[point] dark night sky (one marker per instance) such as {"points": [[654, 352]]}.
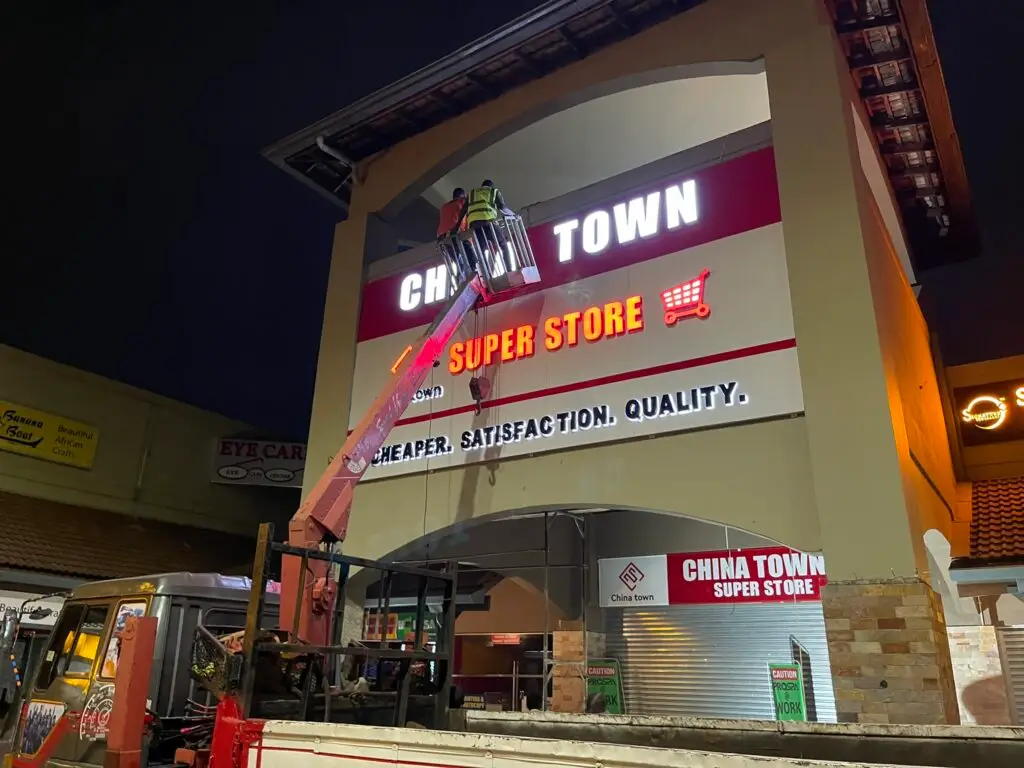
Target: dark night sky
{"points": [[148, 241]]}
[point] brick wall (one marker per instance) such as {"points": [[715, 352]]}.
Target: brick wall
{"points": [[978, 673], [889, 653]]}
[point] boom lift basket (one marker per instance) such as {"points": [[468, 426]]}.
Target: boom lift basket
{"points": [[500, 252]]}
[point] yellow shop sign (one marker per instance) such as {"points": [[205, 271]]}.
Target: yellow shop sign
{"points": [[45, 436]]}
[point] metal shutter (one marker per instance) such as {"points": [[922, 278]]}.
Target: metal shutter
{"points": [[711, 660], [1011, 649]]}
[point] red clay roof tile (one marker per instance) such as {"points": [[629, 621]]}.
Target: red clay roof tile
{"points": [[997, 519], [40, 535]]}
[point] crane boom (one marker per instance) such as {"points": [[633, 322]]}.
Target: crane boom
{"points": [[324, 514]]}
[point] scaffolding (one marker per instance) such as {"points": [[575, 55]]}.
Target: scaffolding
{"points": [[275, 674]]}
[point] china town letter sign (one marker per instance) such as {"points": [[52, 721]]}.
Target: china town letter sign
{"points": [[638, 218]]}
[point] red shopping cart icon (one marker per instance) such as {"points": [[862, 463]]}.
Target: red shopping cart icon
{"points": [[686, 300]]}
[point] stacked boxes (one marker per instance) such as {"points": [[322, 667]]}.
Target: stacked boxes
{"points": [[568, 684]]}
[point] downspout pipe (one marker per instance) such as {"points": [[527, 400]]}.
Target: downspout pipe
{"points": [[334, 153]]}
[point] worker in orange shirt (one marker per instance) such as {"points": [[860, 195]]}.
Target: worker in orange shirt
{"points": [[451, 214], [452, 221]]}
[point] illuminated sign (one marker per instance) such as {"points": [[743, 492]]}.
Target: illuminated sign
{"points": [[686, 300], [428, 393], [637, 219], [505, 639], [991, 413], [635, 409], [985, 412], [616, 318], [685, 401], [640, 217], [563, 423], [429, 287]]}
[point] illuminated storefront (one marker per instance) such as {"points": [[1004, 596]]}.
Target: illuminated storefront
{"points": [[679, 321], [725, 332], [986, 572]]}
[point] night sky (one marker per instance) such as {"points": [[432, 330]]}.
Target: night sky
{"points": [[146, 240]]}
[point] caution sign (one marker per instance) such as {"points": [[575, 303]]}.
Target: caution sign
{"points": [[603, 677], [787, 682]]}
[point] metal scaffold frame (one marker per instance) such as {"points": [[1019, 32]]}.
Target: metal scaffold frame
{"points": [[547, 518], [331, 656]]}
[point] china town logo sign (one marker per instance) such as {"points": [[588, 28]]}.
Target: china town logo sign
{"points": [[631, 576], [639, 218]]}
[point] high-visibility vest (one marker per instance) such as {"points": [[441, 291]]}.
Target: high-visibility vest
{"points": [[483, 205]]}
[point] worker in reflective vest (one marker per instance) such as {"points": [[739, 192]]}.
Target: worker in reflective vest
{"points": [[483, 208]]}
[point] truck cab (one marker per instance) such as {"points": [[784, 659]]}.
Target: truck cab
{"points": [[67, 703]]}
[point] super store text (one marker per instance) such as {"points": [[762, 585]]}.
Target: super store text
{"points": [[681, 403]]}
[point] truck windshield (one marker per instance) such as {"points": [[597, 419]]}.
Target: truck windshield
{"points": [[74, 643]]}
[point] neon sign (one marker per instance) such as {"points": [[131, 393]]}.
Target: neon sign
{"points": [[686, 300], [616, 318], [1019, 394], [640, 217], [985, 412]]}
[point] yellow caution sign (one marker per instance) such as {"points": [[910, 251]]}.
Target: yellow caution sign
{"points": [[46, 436]]}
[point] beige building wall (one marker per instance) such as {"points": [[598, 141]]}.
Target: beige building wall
{"points": [[844, 479], [153, 459]]}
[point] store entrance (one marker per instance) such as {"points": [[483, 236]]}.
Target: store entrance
{"points": [[501, 672]]}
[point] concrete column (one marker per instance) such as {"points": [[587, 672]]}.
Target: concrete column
{"points": [[336, 361], [890, 661], [856, 470]]}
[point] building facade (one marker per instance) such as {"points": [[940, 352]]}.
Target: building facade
{"points": [[102, 480], [725, 348]]}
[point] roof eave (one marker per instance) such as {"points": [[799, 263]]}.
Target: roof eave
{"points": [[497, 42], [917, 23]]}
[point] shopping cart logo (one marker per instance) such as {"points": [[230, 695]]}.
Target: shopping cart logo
{"points": [[631, 576], [686, 300]]}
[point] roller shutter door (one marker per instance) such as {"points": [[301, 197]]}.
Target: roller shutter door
{"points": [[712, 660], [1011, 648]]}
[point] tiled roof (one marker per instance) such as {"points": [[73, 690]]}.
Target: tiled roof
{"points": [[997, 519], [37, 535]]}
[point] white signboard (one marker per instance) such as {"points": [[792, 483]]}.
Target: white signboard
{"points": [[45, 610], [692, 339], [633, 582], [259, 462]]}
